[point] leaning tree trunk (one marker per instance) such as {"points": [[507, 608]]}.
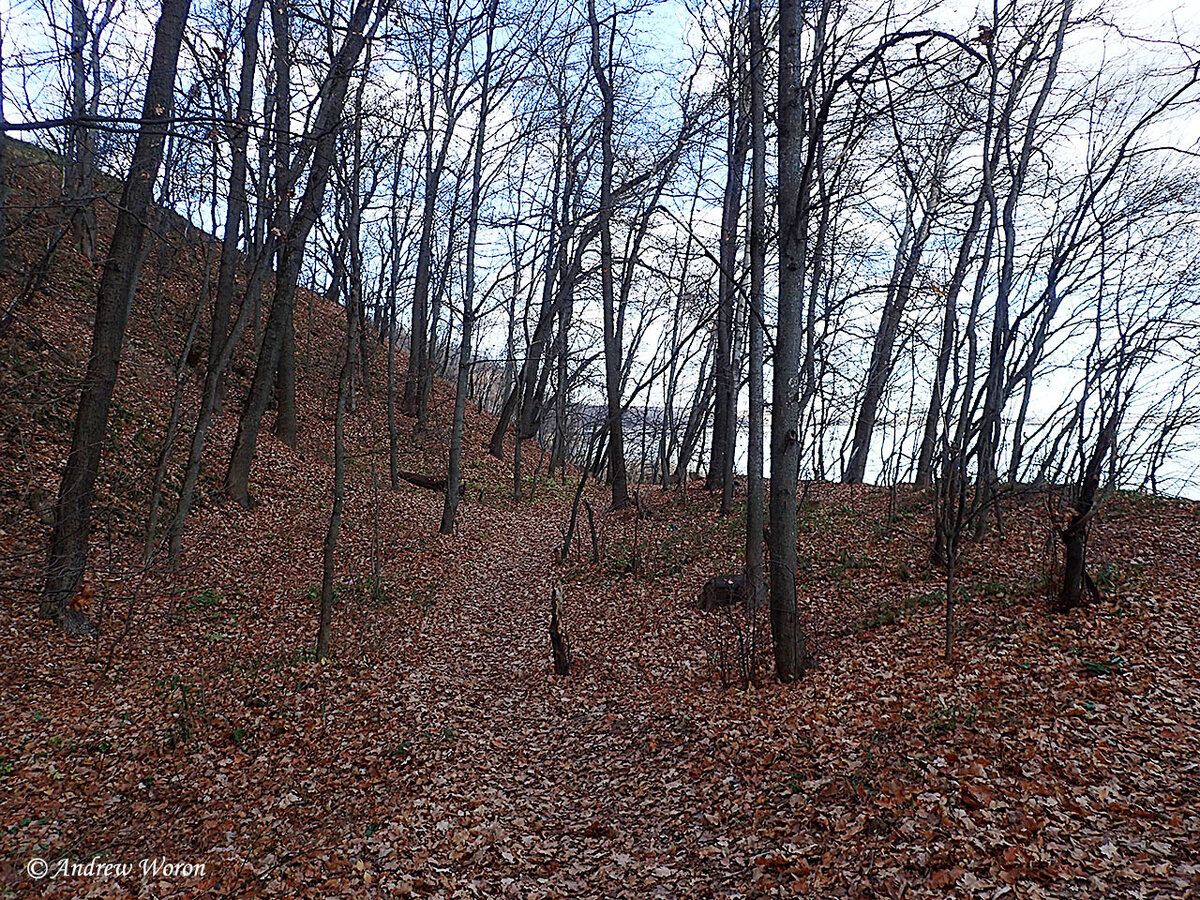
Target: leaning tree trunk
{"points": [[168, 443], [208, 407], [879, 369], [236, 207], [222, 342], [693, 429], [323, 138], [1075, 534], [419, 377], [929, 437], [996, 386], [73, 513], [345, 381]]}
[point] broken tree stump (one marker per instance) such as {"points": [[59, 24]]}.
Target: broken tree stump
{"points": [[559, 642], [723, 591]]}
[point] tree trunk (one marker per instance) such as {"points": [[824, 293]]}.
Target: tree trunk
{"points": [[791, 652], [720, 470], [329, 558], [996, 387], [73, 513], [393, 280], [693, 429], [236, 205], [612, 337], [80, 172], [1075, 534], [208, 407], [322, 143], [879, 369], [4, 182], [285, 376], [419, 379], [222, 343], [285, 382], [558, 635], [454, 469], [758, 259], [168, 444]]}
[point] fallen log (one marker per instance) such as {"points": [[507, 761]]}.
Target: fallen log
{"points": [[429, 482]]}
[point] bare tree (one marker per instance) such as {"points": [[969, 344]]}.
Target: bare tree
{"points": [[454, 469], [601, 70], [319, 144], [758, 263], [73, 511]]}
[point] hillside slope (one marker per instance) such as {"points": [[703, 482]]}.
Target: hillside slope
{"points": [[437, 755]]}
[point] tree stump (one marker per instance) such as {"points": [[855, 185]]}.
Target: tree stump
{"points": [[559, 642]]}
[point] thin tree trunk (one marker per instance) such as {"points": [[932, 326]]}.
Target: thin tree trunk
{"points": [[168, 444], [236, 205], [329, 557], [208, 406], [879, 369], [454, 469], [1075, 534], [393, 286], [79, 176], [996, 387], [612, 338], [416, 386], [724, 437], [758, 258], [4, 180]]}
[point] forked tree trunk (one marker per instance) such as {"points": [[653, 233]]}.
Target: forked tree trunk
{"points": [[1074, 536], [322, 141]]}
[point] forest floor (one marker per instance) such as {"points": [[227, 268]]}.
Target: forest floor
{"points": [[438, 755]]}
